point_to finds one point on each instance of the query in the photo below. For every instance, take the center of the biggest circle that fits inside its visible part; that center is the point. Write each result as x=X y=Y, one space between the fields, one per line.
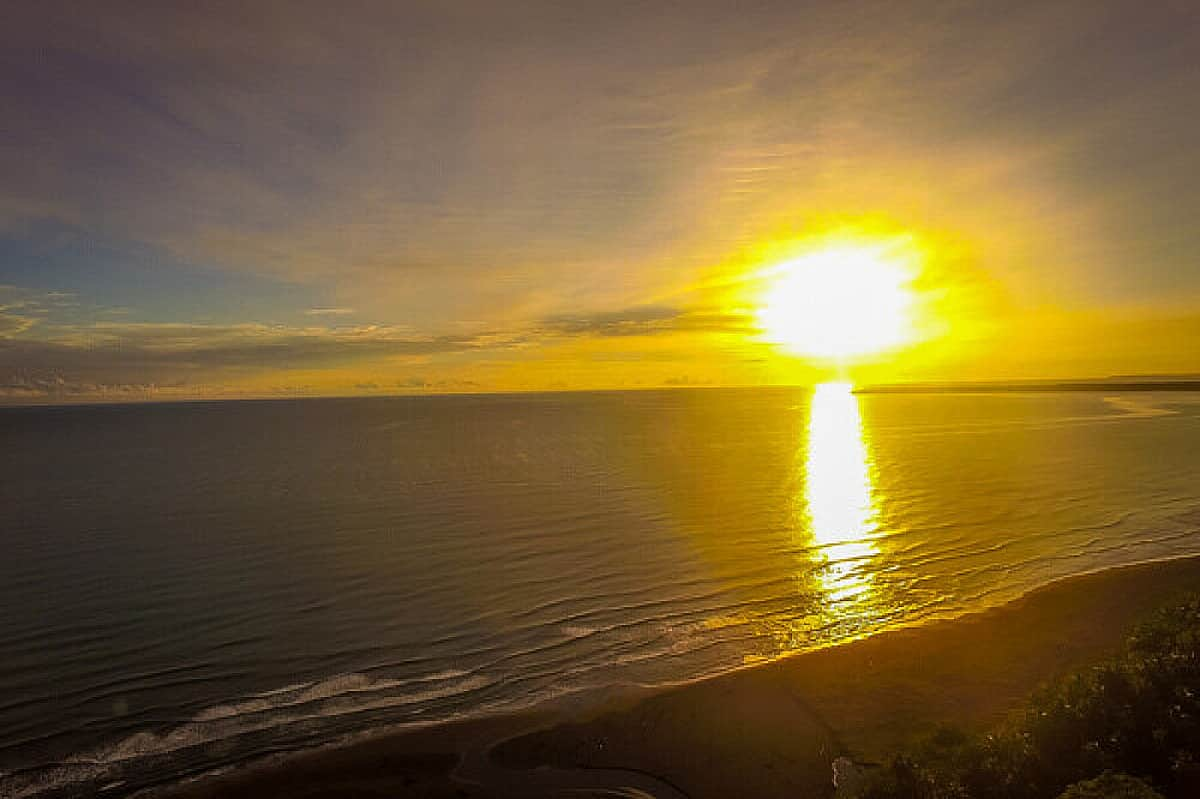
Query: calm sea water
x=186 y=586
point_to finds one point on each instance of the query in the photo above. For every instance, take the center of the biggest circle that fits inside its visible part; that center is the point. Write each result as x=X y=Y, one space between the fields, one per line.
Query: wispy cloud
x=329 y=312
x=139 y=354
x=21 y=309
x=12 y=324
x=178 y=347
x=645 y=321
x=19 y=388
x=508 y=152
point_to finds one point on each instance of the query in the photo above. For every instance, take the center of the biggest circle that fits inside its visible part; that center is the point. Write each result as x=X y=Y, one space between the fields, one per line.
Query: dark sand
x=767 y=731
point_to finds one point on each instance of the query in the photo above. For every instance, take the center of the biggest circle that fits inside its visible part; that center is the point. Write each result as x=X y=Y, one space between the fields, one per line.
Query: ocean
x=188 y=586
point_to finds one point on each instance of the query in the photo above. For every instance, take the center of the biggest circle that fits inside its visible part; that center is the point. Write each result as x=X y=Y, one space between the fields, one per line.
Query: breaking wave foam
x=340 y=695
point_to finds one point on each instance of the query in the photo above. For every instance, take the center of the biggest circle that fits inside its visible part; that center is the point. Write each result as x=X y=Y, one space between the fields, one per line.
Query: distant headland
x=1189 y=382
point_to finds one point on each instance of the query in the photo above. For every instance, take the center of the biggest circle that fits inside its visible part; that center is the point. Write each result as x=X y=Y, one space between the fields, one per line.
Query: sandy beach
x=769 y=731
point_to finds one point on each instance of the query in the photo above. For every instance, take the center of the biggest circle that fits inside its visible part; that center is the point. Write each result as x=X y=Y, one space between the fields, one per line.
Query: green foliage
x=1138 y=714
x=1111 y=786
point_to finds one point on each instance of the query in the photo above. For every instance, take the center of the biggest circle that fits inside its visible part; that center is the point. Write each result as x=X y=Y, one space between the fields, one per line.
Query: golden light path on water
x=841 y=514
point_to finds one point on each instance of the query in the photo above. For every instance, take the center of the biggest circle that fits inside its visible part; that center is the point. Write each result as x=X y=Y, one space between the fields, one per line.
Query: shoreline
x=769 y=729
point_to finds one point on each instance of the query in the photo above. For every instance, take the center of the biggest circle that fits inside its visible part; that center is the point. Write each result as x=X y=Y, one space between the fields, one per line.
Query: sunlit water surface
x=184 y=587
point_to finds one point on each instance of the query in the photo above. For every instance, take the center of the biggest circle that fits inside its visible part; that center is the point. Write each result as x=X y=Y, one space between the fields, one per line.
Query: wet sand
x=768 y=731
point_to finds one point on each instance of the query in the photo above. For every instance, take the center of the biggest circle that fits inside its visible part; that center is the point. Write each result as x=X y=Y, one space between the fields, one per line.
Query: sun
x=840 y=301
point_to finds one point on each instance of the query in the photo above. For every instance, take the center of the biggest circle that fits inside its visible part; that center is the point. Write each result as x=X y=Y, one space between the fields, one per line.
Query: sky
x=297 y=198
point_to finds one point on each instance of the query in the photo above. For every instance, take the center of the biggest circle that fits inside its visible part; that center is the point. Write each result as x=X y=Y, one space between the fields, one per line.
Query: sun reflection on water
x=840 y=511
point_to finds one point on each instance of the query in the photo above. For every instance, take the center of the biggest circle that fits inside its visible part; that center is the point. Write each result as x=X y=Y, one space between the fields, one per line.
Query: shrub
x=1111 y=786
x=1138 y=714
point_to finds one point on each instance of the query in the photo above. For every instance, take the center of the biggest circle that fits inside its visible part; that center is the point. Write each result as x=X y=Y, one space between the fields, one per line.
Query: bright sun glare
x=840 y=301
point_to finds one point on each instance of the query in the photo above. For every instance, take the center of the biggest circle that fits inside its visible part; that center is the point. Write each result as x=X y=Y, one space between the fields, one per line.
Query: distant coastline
x=1117 y=383
x=1130 y=383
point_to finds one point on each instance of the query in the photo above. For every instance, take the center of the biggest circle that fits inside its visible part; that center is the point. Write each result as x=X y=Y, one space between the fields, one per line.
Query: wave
x=339 y=695
x=307 y=693
x=1120 y=408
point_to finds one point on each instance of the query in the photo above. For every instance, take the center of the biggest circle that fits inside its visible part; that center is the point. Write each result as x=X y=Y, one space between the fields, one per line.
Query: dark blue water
x=186 y=586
